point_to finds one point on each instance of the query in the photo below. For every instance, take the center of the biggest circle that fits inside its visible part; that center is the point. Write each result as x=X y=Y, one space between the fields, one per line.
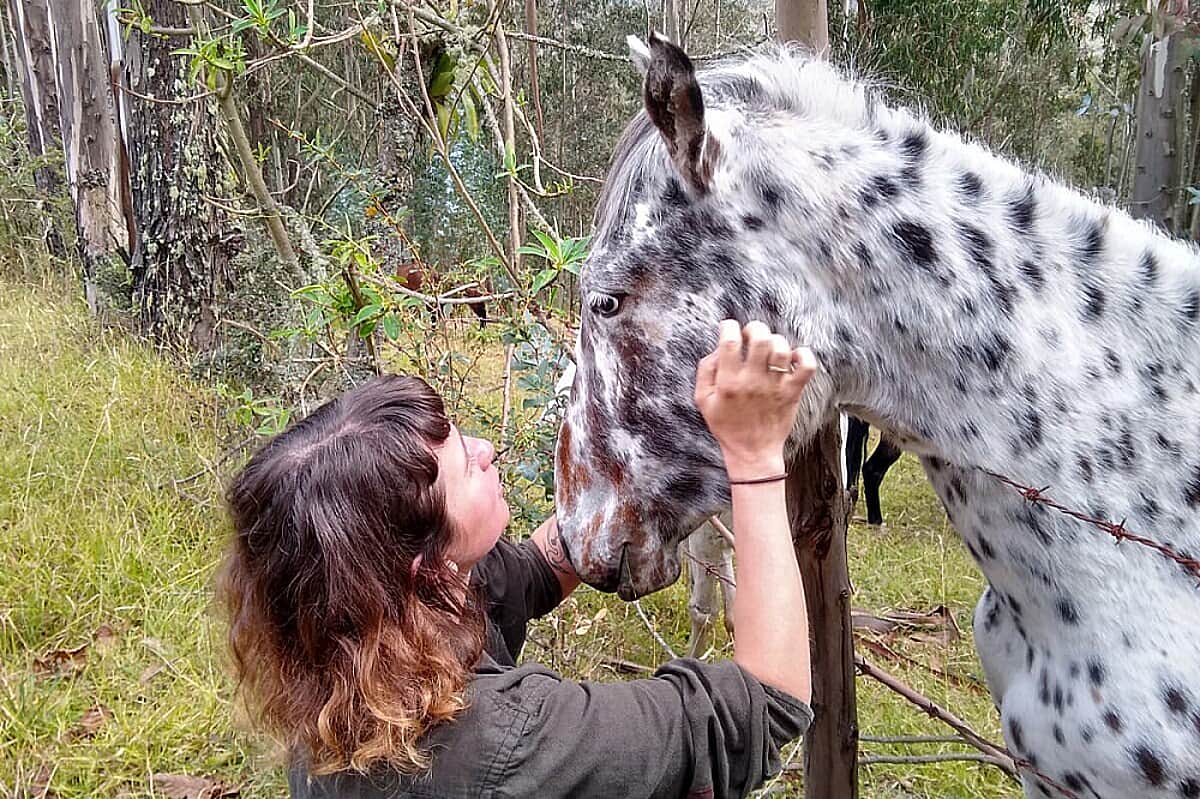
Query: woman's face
x=474 y=497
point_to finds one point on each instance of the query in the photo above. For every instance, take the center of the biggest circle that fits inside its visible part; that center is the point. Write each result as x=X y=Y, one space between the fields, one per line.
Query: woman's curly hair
x=343 y=650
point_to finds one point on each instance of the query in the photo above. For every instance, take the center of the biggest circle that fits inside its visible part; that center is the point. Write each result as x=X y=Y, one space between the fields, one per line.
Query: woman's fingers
x=779 y=361
x=804 y=365
x=765 y=354
x=758 y=345
x=729 y=347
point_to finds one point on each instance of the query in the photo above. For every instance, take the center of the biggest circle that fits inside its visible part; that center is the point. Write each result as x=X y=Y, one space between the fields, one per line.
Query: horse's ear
x=675 y=105
x=639 y=54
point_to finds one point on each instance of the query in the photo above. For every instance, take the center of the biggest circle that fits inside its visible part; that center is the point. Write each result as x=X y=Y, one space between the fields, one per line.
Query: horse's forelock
x=640 y=159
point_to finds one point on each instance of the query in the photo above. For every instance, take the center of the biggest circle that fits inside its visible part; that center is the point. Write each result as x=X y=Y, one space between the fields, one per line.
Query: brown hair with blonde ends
x=343 y=649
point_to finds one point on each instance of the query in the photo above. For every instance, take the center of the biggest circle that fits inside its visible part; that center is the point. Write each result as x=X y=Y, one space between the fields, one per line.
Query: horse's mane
x=777 y=80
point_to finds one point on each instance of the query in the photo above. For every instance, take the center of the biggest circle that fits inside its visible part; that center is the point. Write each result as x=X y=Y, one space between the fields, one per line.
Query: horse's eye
x=607 y=305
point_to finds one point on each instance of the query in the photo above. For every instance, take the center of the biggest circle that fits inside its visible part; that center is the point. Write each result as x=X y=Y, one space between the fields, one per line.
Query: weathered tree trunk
x=531 y=27
x=181 y=254
x=675 y=21
x=88 y=122
x=401 y=148
x=32 y=43
x=1157 y=170
x=1194 y=117
x=6 y=42
x=32 y=35
x=116 y=61
x=803 y=21
x=818 y=513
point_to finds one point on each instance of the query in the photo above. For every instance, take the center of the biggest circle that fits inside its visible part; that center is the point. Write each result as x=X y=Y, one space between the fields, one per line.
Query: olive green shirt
x=694 y=729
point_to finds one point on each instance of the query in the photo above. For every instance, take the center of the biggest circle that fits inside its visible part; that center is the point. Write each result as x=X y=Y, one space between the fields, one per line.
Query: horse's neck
x=995 y=318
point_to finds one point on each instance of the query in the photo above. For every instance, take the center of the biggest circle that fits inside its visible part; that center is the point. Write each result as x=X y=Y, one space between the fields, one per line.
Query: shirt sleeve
x=694 y=730
x=519 y=585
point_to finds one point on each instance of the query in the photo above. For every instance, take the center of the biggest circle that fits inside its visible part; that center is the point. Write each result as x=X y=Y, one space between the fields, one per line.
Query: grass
x=98 y=548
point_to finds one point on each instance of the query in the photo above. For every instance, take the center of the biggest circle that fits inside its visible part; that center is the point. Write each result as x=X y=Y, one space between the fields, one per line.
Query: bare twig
x=637 y=604
x=881 y=649
x=1003 y=759
x=446 y=298
x=937 y=712
x=507 y=408
x=946 y=757
x=209 y=468
x=510 y=139
x=911 y=739
x=720 y=527
x=626 y=666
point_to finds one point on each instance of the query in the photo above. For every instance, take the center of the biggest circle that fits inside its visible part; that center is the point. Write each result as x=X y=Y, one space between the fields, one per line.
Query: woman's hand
x=750 y=401
x=750 y=405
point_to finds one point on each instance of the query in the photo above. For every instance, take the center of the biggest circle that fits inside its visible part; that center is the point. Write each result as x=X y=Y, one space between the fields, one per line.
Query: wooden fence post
x=817 y=511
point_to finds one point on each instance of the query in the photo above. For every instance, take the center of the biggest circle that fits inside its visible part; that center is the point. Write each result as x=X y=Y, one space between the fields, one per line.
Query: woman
x=376 y=614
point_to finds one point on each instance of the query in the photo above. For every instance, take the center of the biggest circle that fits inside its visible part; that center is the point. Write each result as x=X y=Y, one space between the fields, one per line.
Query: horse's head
x=695 y=224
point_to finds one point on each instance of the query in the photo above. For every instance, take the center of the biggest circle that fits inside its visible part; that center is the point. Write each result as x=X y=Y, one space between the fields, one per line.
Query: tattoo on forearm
x=556 y=556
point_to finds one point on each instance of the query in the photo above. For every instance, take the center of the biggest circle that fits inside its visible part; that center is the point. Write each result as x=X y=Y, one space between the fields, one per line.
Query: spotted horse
x=990 y=319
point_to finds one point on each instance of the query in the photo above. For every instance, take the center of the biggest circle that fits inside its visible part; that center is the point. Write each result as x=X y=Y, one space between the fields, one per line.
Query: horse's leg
x=726 y=578
x=856 y=445
x=480 y=310
x=433 y=312
x=885 y=455
x=704 y=546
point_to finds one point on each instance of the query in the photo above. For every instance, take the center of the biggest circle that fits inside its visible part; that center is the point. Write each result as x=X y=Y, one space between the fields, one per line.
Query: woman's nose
x=484 y=452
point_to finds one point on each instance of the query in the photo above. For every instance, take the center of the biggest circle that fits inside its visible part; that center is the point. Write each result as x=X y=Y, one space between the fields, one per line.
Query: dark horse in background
x=872 y=469
x=423 y=278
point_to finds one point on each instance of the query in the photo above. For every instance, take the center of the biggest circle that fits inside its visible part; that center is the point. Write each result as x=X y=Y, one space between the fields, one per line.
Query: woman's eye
x=606 y=305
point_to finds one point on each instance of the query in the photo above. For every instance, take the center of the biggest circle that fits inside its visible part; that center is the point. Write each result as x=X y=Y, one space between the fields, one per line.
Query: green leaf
x=391 y=327
x=552 y=249
x=365 y=313
x=472 y=116
x=543 y=279
x=526 y=249
x=443 y=77
x=375 y=47
x=443 y=119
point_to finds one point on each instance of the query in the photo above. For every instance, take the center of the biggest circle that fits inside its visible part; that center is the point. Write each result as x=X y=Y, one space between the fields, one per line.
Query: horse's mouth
x=625 y=586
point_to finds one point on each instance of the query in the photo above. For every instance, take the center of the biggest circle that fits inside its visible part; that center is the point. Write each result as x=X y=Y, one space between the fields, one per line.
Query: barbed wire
x=1115 y=529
